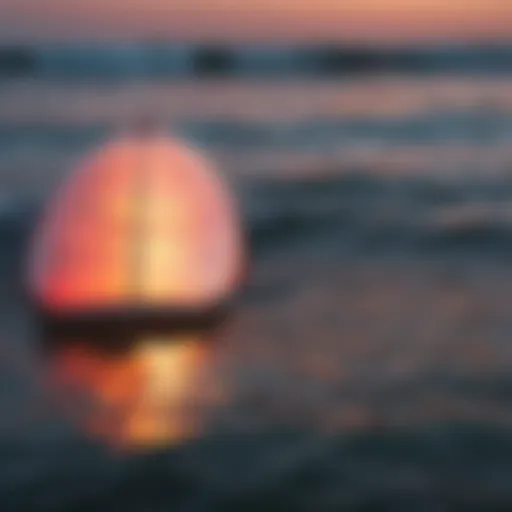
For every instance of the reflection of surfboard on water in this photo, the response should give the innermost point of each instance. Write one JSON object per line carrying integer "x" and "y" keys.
{"x": 143, "y": 234}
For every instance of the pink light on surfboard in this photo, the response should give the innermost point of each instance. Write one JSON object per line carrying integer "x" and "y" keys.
{"x": 143, "y": 223}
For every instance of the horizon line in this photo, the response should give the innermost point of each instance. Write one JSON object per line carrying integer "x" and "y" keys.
{"x": 263, "y": 42}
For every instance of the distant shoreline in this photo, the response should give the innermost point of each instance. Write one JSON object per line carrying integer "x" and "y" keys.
{"x": 154, "y": 59}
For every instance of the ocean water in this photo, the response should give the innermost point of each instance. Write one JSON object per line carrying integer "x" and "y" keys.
{"x": 367, "y": 365}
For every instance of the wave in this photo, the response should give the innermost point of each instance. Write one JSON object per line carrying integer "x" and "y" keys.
{"x": 369, "y": 213}
{"x": 376, "y": 468}
{"x": 361, "y": 213}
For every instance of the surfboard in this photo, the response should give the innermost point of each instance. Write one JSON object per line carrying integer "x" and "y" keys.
{"x": 143, "y": 231}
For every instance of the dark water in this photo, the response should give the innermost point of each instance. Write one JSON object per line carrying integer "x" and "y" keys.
{"x": 368, "y": 364}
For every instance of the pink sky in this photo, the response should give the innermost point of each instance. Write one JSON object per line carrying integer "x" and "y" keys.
{"x": 356, "y": 20}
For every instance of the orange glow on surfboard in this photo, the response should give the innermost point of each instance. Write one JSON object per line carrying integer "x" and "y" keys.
{"x": 145, "y": 221}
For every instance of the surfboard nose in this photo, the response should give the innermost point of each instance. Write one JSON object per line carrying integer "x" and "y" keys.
{"x": 143, "y": 231}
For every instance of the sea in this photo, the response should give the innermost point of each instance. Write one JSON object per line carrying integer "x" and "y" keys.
{"x": 367, "y": 365}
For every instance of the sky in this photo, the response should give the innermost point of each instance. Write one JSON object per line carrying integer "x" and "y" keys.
{"x": 262, "y": 20}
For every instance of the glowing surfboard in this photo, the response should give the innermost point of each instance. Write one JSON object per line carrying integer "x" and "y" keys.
{"x": 144, "y": 231}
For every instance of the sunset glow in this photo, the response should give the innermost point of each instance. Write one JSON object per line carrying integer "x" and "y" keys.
{"x": 164, "y": 229}
{"x": 364, "y": 20}
{"x": 142, "y": 398}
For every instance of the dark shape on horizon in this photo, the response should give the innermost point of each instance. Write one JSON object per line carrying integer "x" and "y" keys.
{"x": 336, "y": 60}
{"x": 339, "y": 60}
{"x": 213, "y": 61}
{"x": 16, "y": 61}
